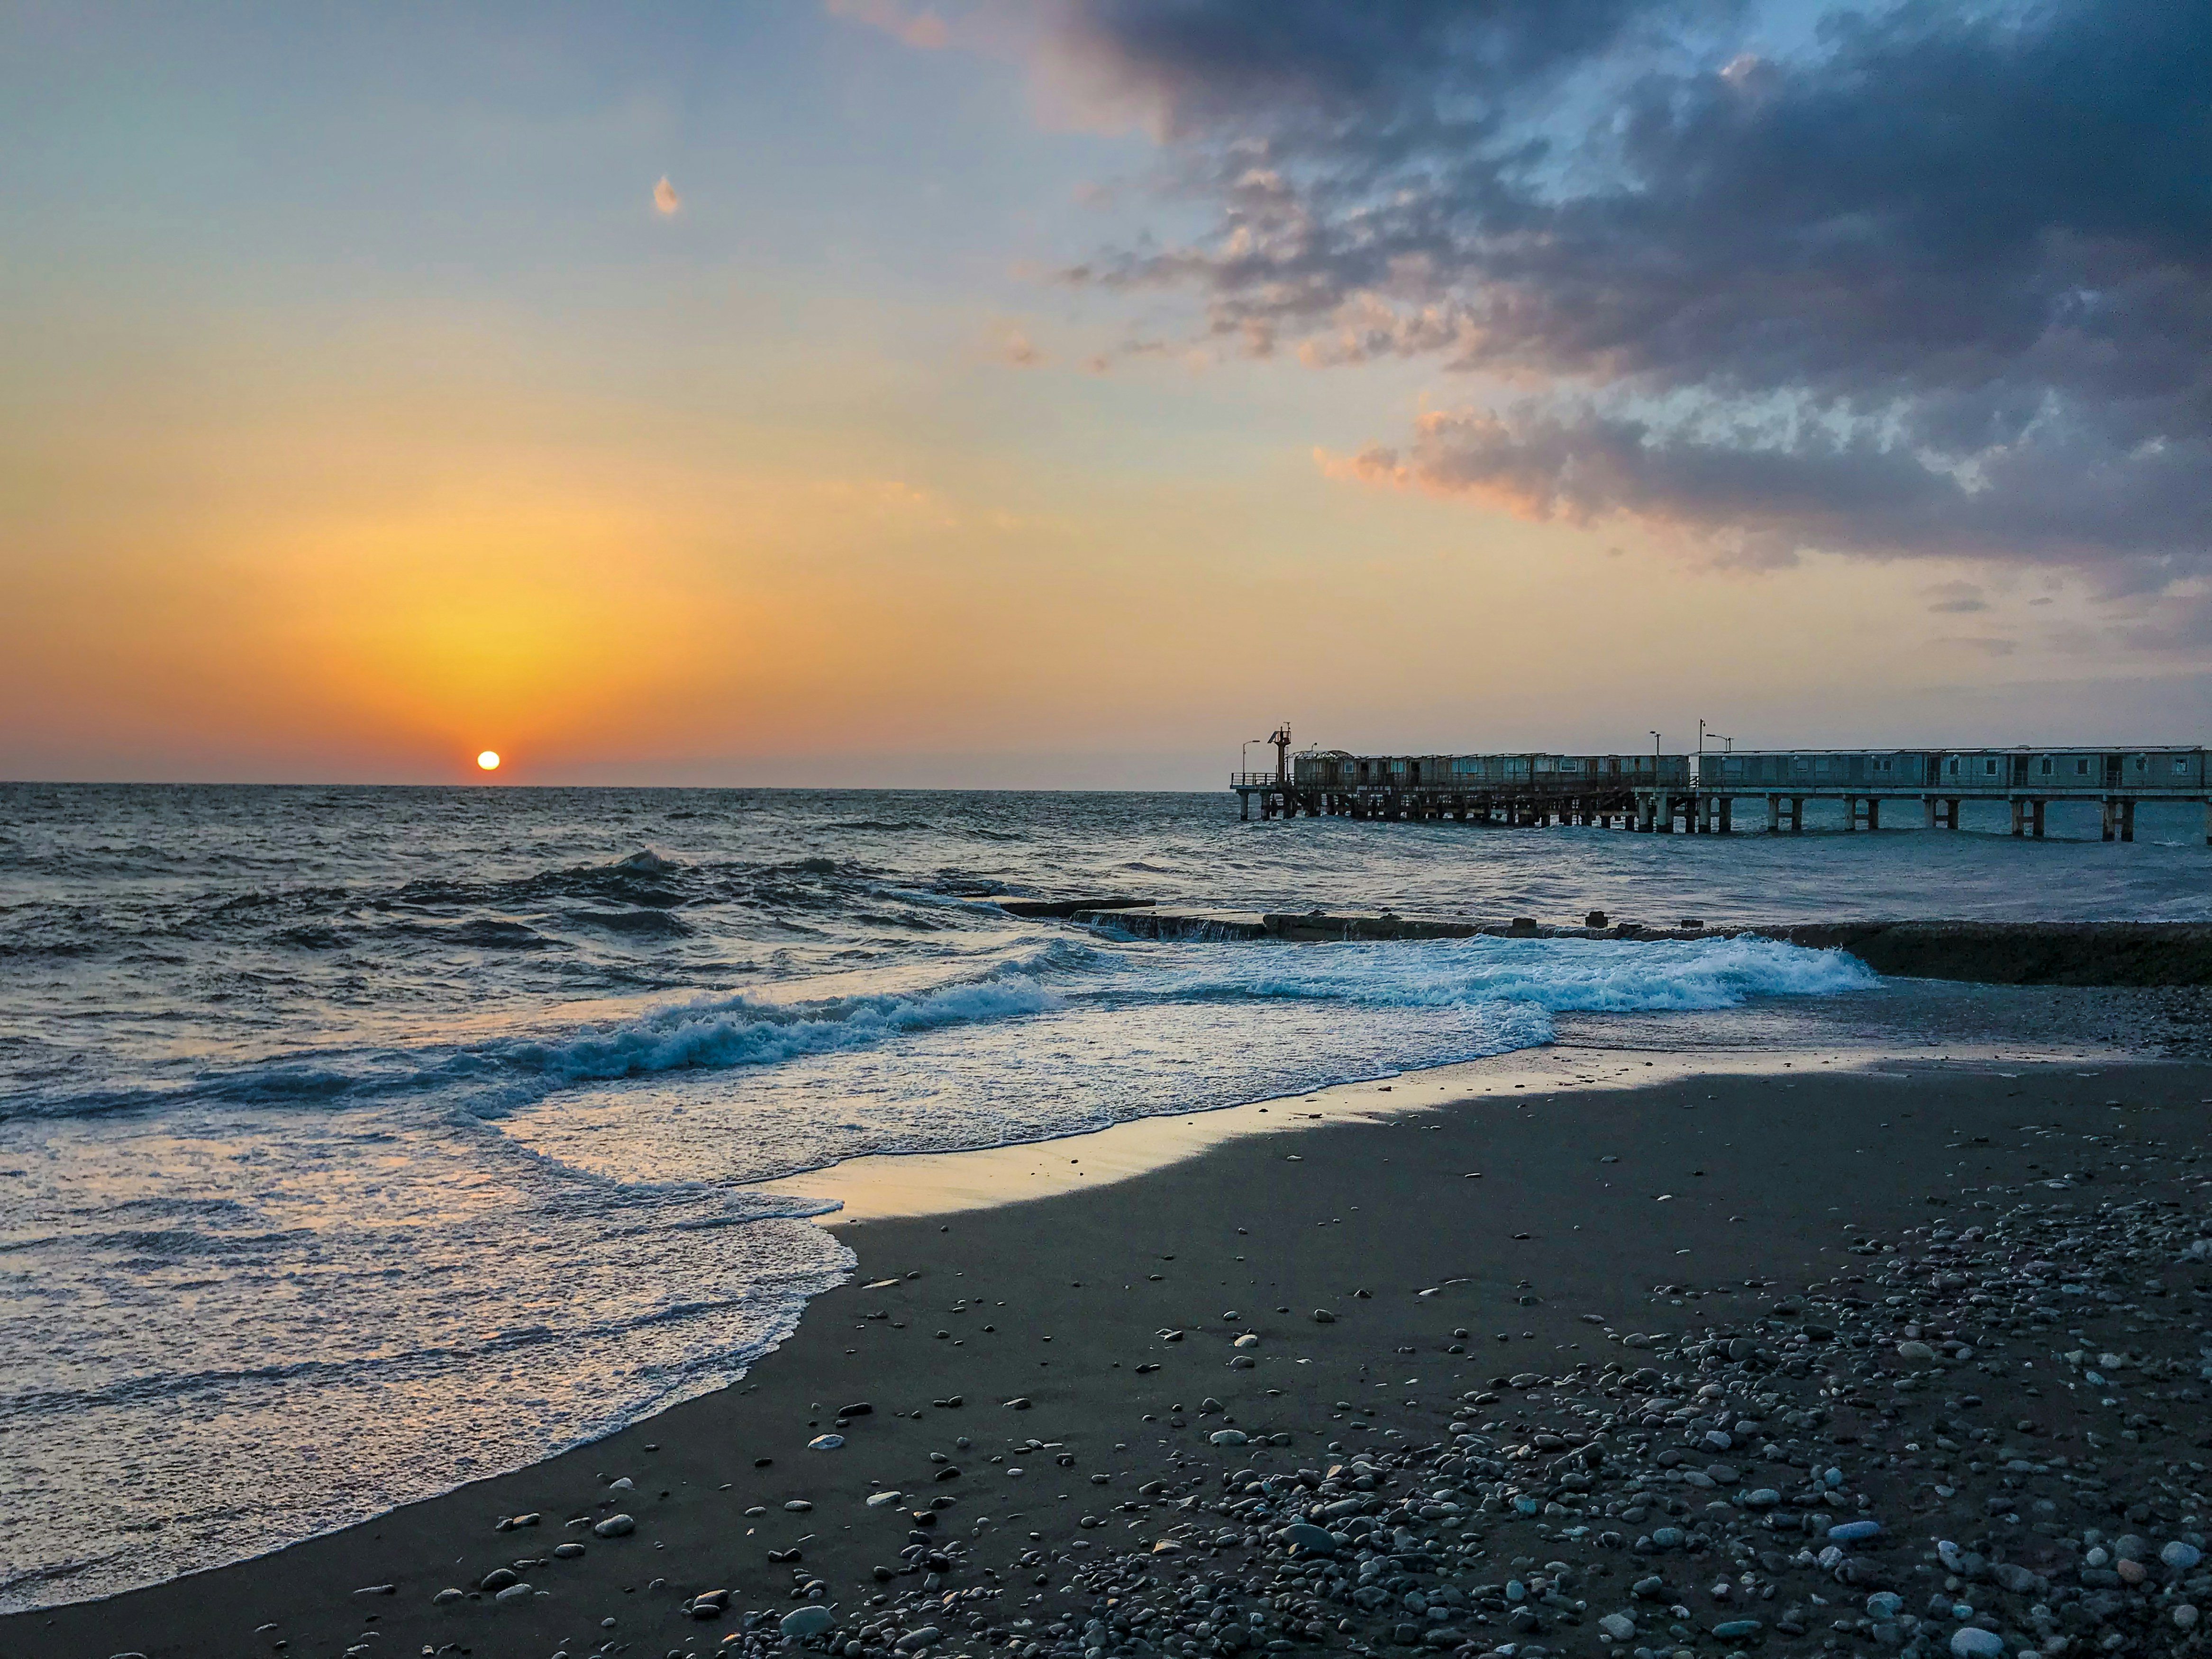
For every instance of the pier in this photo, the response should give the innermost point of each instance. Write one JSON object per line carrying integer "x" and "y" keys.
{"x": 1701, "y": 795}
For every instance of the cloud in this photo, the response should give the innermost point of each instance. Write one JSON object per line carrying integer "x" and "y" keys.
{"x": 665, "y": 198}
{"x": 923, "y": 30}
{"x": 1955, "y": 598}
{"x": 1764, "y": 493}
{"x": 1939, "y": 282}
{"x": 1015, "y": 347}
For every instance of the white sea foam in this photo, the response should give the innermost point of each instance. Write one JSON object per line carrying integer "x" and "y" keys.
{"x": 1556, "y": 974}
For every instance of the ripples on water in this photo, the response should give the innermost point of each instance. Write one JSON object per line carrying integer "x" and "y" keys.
{"x": 355, "y": 1143}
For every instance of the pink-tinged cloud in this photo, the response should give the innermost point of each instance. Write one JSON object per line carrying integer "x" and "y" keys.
{"x": 1017, "y": 349}
{"x": 1764, "y": 494}
{"x": 923, "y": 30}
{"x": 665, "y": 196}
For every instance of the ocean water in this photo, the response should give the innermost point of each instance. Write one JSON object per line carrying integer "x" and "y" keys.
{"x": 358, "y": 1143}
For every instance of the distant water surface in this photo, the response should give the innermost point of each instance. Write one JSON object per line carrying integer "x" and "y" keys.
{"x": 357, "y": 1142}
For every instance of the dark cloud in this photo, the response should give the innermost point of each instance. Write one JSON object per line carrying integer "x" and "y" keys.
{"x": 1940, "y": 283}
{"x": 1955, "y": 598}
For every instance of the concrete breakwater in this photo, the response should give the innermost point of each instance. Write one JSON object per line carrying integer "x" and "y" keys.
{"x": 2135, "y": 953}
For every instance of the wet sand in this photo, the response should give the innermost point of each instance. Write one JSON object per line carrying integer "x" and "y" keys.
{"x": 1474, "y": 1237}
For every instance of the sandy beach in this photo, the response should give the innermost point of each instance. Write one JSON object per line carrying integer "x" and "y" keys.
{"x": 1553, "y": 1369}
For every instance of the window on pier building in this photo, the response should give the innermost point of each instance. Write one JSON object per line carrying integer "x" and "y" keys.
{"x": 1989, "y": 768}
{"x": 2046, "y": 766}
{"x": 2081, "y": 769}
{"x": 2180, "y": 766}
{"x": 1955, "y": 766}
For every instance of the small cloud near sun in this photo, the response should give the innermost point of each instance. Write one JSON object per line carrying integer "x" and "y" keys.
{"x": 665, "y": 196}
{"x": 923, "y": 30}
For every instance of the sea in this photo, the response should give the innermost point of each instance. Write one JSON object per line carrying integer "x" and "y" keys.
{"x": 357, "y": 1143}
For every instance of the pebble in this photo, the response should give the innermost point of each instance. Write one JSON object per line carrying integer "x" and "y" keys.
{"x": 616, "y": 1526}
{"x": 514, "y": 1593}
{"x": 802, "y": 1622}
{"x": 825, "y": 1442}
{"x": 1448, "y": 1529}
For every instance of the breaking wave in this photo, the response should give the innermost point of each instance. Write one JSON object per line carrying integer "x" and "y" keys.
{"x": 746, "y": 1031}
{"x": 1558, "y": 976}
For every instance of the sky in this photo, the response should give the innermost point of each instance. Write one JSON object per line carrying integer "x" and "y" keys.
{"x": 1058, "y": 394}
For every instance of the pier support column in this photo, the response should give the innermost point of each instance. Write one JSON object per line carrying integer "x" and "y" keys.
{"x": 2020, "y": 817}
{"x": 1774, "y": 814}
{"x": 2208, "y": 823}
{"x": 2035, "y": 818}
{"x": 2127, "y": 820}
{"x": 1928, "y": 803}
{"x": 1951, "y": 818}
{"x": 1244, "y": 804}
{"x": 2109, "y": 815}
{"x": 1874, "y": 811}
{"x": 1728, "y": 815}
{"x": 1797, "y": 815}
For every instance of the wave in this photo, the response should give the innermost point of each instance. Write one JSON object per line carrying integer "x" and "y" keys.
{"x": 746, "y": 1031}
{"x": 1558, "y": 975}
{"x": 655, "y": 924}
{"x": 1518, "y": 983}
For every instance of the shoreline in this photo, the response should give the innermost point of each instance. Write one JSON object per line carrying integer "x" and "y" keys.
{"x": 1033, "y": 1247}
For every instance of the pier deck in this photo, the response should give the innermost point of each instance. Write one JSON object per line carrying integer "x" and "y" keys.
{"x": 1660, "y": 793}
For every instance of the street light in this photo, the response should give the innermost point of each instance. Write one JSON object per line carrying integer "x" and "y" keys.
{"x": 1244, "y": 756}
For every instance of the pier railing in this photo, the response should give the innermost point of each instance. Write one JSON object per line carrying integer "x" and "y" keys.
{"x": 1254, "y": 780}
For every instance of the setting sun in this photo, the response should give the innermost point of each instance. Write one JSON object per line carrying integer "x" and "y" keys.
{"x": 488, "y": 760}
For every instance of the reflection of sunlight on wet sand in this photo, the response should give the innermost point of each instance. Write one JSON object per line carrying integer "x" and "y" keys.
{"x": 878, "y": 1187}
